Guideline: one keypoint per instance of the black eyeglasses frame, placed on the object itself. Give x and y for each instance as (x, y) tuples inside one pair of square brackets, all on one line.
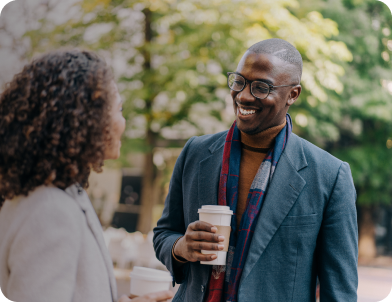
[(270, 86)]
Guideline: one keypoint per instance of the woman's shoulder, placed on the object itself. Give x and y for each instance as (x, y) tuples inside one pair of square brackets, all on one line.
[(41, 236), (50, 198), (46, 206)]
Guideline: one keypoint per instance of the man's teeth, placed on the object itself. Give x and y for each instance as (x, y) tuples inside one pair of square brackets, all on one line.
[(247, 112)]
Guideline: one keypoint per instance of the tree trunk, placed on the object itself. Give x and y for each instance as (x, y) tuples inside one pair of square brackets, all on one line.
[(367, 243), (388, 235), (147, 196)]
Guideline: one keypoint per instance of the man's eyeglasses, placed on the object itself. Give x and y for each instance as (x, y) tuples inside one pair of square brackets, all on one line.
[(258, 89)]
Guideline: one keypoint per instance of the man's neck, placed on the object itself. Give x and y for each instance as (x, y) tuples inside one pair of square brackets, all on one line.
[(263, 139)]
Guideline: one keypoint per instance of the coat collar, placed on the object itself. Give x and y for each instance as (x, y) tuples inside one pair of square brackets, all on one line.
[(210, 167), (284, 189), (81, 197), (209, 173), (294, 150), (219, 143)]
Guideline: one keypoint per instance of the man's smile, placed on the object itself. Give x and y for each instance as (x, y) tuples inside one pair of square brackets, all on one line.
[(246, 110)]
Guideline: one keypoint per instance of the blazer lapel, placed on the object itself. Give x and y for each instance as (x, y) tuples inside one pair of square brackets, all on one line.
[(208, 183), (209, 173), (83, 200), (284, 189)]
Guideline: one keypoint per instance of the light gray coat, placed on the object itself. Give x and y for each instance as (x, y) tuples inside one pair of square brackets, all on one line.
[(52, 249)]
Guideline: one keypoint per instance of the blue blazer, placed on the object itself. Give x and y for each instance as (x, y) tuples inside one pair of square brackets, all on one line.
[(307, 227)]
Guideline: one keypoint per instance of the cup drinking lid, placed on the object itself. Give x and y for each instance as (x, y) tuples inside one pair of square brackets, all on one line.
[(215, 210), (149, 274)]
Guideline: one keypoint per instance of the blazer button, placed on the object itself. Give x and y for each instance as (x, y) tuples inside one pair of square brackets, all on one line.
[(203, 288)]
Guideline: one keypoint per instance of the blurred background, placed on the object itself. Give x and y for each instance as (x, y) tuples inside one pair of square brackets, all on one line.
[(170, 59)]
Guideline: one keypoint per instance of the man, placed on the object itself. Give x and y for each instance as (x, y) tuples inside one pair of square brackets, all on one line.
[(294, 204)]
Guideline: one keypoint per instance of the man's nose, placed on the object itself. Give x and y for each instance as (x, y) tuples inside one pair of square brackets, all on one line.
[(245, 95)]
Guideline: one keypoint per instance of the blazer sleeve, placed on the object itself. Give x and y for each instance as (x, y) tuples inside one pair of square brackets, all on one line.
[(171, 225), (44, 254), (338, 242)]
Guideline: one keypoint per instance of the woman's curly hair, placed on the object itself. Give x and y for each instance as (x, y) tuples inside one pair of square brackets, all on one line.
[(54, 122)]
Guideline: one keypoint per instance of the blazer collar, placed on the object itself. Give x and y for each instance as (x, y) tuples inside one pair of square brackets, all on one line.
[(81, 197), (219, 143), (209, 174), (210, 167), (283, 191), (295, 152)]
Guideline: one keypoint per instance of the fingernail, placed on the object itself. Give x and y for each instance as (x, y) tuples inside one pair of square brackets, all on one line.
[(214, 229), (213, 257), (221, 238), (221, 246)]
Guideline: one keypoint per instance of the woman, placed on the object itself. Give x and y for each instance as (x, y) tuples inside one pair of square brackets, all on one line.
[(60, 118)]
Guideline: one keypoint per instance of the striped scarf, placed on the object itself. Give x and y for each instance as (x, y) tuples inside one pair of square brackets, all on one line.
[(224, 281)]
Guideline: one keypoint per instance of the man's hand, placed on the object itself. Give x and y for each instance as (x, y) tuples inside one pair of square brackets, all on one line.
[(154, 297), (199, 236)]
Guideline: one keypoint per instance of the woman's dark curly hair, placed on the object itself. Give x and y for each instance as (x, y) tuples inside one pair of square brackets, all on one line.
[(54, 122)]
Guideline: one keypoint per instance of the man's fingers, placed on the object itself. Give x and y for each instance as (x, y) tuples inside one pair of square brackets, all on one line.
[(201, 226), (200, 245), (160, 296), (204, 257), (205, 236)]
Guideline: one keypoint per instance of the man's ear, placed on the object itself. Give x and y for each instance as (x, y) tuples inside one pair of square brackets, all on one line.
[(294, 94)]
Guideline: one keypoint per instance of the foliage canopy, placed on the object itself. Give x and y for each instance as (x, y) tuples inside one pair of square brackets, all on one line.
[(170, 58)]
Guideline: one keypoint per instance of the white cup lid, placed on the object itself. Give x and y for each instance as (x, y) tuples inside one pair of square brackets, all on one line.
[(150, 274), (215, 210)]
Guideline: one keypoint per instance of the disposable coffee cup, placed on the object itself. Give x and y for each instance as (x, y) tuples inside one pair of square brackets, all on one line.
[(147, 280), (220, 217)]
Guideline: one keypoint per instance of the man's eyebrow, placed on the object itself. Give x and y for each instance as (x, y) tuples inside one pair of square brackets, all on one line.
[(266, 81), (261, 80)]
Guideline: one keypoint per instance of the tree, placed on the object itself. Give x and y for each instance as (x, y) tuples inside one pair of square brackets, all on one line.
[(170, 59), (18, 17), (364, 125)]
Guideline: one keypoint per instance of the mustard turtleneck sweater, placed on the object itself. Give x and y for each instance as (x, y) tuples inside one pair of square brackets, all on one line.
[(254, 149)]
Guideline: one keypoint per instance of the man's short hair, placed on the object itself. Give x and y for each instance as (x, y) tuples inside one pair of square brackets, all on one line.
[(281, 49)]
